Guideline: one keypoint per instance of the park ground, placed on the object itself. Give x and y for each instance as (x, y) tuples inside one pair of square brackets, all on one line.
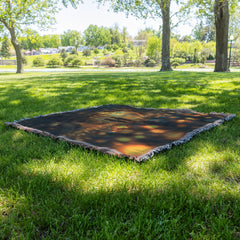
[(52, 190)]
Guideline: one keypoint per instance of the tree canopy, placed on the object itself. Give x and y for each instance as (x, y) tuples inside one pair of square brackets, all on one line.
[(97, 36), (71, 38), (22, 13), (17, 15)]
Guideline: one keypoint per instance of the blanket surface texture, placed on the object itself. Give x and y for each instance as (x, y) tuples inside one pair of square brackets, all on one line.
[(122, 130)]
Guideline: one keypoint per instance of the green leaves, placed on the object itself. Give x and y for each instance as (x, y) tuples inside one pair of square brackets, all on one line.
[(5, 49), (71, 38), (97, 36), (21, 13), (74, 3)]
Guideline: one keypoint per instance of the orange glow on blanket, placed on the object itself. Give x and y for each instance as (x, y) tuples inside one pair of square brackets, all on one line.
[(136, 149)]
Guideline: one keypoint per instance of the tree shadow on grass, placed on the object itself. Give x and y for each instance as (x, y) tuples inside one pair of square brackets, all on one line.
[(43, 205), (70, 91)]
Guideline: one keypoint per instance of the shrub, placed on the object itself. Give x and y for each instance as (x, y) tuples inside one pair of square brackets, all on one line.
[(211, 57), (180, 54), (125, 50), (175, 64), (105, 52), (236, 55), (109, 61), (150, 62), (54, 62), (203, 59), (130, 63), (76, 62), (97, 62), (118, 52), (109, 48), (195, 56), (86, 52), (96, 50), (131, 46), (178, 60), (68, 60), (115, 46), (63, 54), (119, 60), (24, 60), (126, 59), (122, 45), (138, 62), (38, 62), (73, 61), (74, 51)]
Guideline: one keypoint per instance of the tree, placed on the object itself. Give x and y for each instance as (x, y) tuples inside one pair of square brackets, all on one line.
[(186, 38), (72, 38), (144, 35), (31, 41), (124, 35), (154, 48), (165, 9), (15, 15), (115, 35), (51, 41), (63, 54), (205, 32), (144, 9), (97, 36), (221, 10), (5, 49)]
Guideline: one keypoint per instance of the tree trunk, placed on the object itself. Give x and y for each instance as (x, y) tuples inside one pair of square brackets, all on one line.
[(165, 8), (17, 48), (221, 12)]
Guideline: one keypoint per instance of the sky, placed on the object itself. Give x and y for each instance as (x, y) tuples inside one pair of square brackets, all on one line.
[(88, 13)]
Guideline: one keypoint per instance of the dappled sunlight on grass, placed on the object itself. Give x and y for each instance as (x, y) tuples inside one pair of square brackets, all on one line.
[(50, 189), (12, 208), (5, 206)]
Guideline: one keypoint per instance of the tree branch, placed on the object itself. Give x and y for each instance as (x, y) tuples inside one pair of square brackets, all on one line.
[(5, 23)]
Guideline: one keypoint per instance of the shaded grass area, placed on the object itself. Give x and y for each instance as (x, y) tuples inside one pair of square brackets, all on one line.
[(52, 190)]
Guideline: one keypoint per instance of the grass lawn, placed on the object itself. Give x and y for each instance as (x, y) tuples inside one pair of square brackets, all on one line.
[(52, 190)]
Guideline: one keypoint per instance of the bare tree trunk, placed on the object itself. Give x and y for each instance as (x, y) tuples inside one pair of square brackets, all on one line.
[(165, 8), (221, 12), (17, 48)]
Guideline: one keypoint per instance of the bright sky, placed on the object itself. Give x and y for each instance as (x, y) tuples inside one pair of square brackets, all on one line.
[(88, 13)]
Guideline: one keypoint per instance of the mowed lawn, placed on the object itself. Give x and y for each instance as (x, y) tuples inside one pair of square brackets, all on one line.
[(52, 190)]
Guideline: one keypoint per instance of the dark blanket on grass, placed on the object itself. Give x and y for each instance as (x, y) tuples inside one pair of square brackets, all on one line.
[(137, 133)]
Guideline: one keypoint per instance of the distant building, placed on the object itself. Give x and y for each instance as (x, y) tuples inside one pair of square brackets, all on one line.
[(67, 48), (82, 48), (137, 43), (33, 52), (48, 50)]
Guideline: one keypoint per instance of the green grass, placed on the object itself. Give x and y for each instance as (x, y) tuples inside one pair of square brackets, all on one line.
[(52, 190), (8, 67)]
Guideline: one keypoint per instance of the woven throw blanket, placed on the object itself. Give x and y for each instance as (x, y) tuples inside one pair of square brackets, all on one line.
[(125, 131)]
